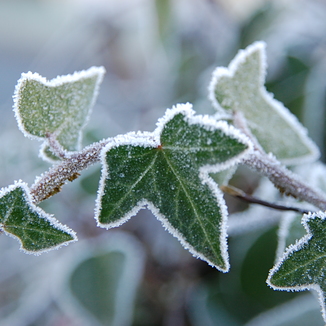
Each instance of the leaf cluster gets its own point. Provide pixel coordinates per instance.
(172, 171)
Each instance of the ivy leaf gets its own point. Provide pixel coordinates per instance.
(108, 298)
(60, 107)
(291, 228)
(167, 171)
(241, 88)
(36, 230)
(303, 265)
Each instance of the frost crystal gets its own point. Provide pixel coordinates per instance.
(241, 88)
(303, 264)
(59, 107)
(36, 230)
(168, 172)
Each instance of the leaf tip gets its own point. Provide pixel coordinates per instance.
(21, 219)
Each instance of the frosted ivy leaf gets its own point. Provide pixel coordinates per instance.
(303, 265)
(240, 87)
(36, 230)
(167, 171)
(60, 107)
(291, 228)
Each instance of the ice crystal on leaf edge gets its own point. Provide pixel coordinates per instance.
(301, 245)
(93, 72)
(33, 209)
(152, 140)
(276, 110)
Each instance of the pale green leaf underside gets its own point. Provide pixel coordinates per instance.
(60, 107)
(304, 264)
(167, 177)
(241, 88)
(35, 229)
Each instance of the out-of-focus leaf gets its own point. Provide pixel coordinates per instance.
(241, 88)
(60, 107)
(103, 280)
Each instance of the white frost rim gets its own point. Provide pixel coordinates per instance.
(278, 106)
(41, 213)
(55, 82)
(296, 247)
(147, 139)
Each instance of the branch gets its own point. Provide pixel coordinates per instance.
(55, 146)
(285, 180)
(50, 182)
(238, 193)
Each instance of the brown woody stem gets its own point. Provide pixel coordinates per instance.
(238, 193)
(50, 182)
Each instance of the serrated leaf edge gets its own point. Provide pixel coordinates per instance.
(152, 139)
(41, 213)
(55, 82)
(296, 247)
(292, 120)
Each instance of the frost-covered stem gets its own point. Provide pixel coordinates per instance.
(55, 146)
(285, 180)
(50, 182)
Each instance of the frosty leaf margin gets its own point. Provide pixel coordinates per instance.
(310, 282)
(259, 106)
(59, 107)
(32, 221)
(152, 140)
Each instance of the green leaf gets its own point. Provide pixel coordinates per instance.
(60, 107)
(103, 279)
(290, 230)
(167, 171)
(241, 88)
(303, 266)
(36, 230)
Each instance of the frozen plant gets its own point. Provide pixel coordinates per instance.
(169, 170)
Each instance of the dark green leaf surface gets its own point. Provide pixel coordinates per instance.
(60, 106)
(241, 88)
(36, 230)
(303, 266)
(168, 171)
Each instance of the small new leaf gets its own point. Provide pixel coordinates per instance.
(168, 171)
(36, 230)
(303, 266)
(60, 107)
(241, 88)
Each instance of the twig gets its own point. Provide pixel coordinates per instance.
(238, 193)
(50, 182)
(56, 147)
(286, 181)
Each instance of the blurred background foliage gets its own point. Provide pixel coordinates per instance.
(156, 54)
